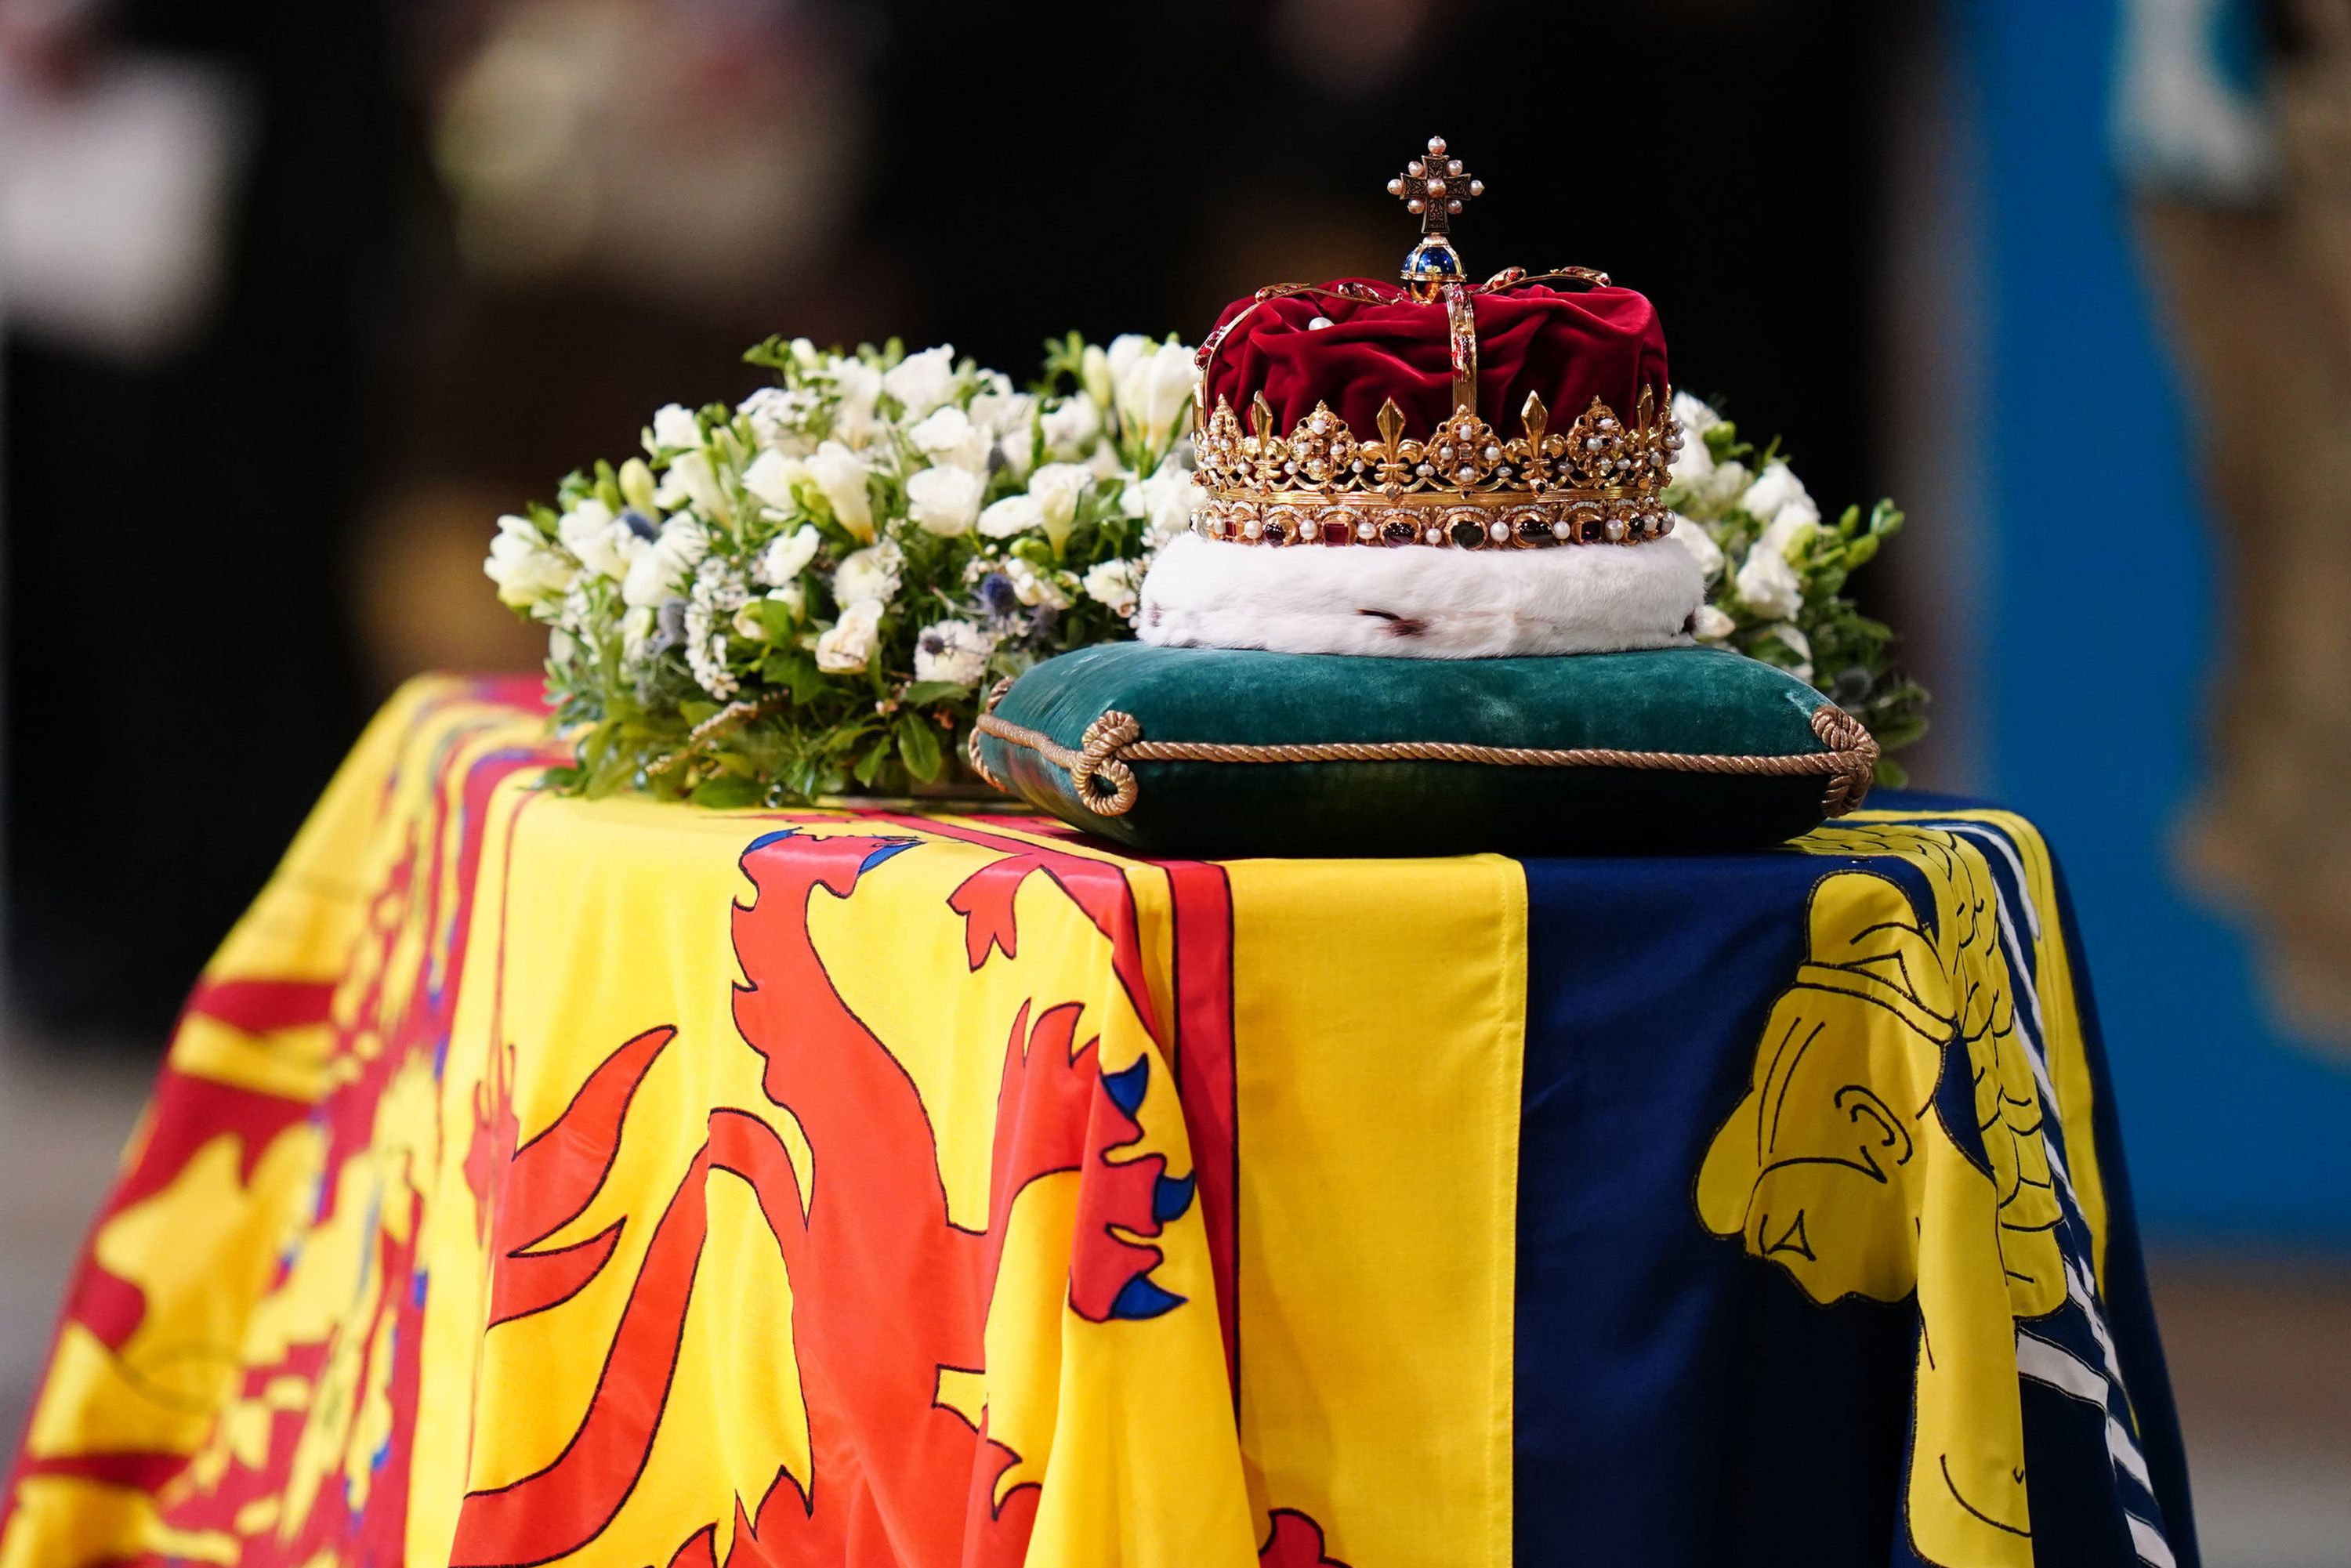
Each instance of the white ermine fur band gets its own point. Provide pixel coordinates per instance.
(1420, 601)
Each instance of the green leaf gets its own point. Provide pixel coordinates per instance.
(918, 747)
(923, 694)
(726, 792)
(776, 619)
(794, 671)
(1892, 774)
(872, 763)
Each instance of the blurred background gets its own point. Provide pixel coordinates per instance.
(297, 297)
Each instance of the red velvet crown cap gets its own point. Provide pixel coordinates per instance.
(1569, 345)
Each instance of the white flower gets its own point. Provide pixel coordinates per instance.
(1070, 428)
(659, 571)
(1693, 464)
(1034, 588)
(1772, 489)
(1001, 411)
(954, 651)
(599, 540)
(949, 436)
(1155, 389)
(718, 593)
(1164, 502)
(780, 417)
(674, 429)
(1057, 487)
(1794, 636)
(692, 481)
(792, 597)
(749, 624)
(857, 385)
(945, 500)
(1115, 584)
(1121, 357)
(528, 573)
(921, 381)
(847, 646)
(1768, 584)
(1019, 445)
(869, 576)
(1709, 624)
(770, 479)
(788, 557)
(1791, 527)
(1693, 536)
(1013, 515)
(839, 475)
(1696, 416)
(1723, 486)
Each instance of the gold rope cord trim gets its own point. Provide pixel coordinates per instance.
(1099, 766)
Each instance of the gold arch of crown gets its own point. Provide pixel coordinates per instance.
(1464, 485)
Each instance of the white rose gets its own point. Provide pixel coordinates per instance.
(1794, 636)
(770, 479)
(1768, 584)
(840, 476)
(1115, 584)
(691, 479)
(848, 646)
(787, 556)
(1011, 516)
(1696, 416)
(1034, 588)
(869, 576)
(1724, 486)
(953, 650)
(1693, 536)
(1693, 464)
(1772, 489)
(949, 436)
(528, 573)
(1791, 526)
(1070, 428)
(1057, 487)
(660, 571)
(1709, 624)
(1164, 502)
(674, 429)
(748, 623)
(945, 500)
(921, 381)
(858, 384)
(1155, 391)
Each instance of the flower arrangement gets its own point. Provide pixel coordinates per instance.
(1783, 601)
(807, 593)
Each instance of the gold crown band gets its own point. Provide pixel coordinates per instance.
(1600, 482)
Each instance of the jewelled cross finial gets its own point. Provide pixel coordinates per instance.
(1433, 189)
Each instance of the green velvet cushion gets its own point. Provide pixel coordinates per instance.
(1686, 710)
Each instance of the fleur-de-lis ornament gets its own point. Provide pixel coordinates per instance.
(1433, 189)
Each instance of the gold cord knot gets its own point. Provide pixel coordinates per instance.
(1104, 783)
(1855, 752)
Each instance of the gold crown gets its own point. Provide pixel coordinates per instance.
(1465, 485)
